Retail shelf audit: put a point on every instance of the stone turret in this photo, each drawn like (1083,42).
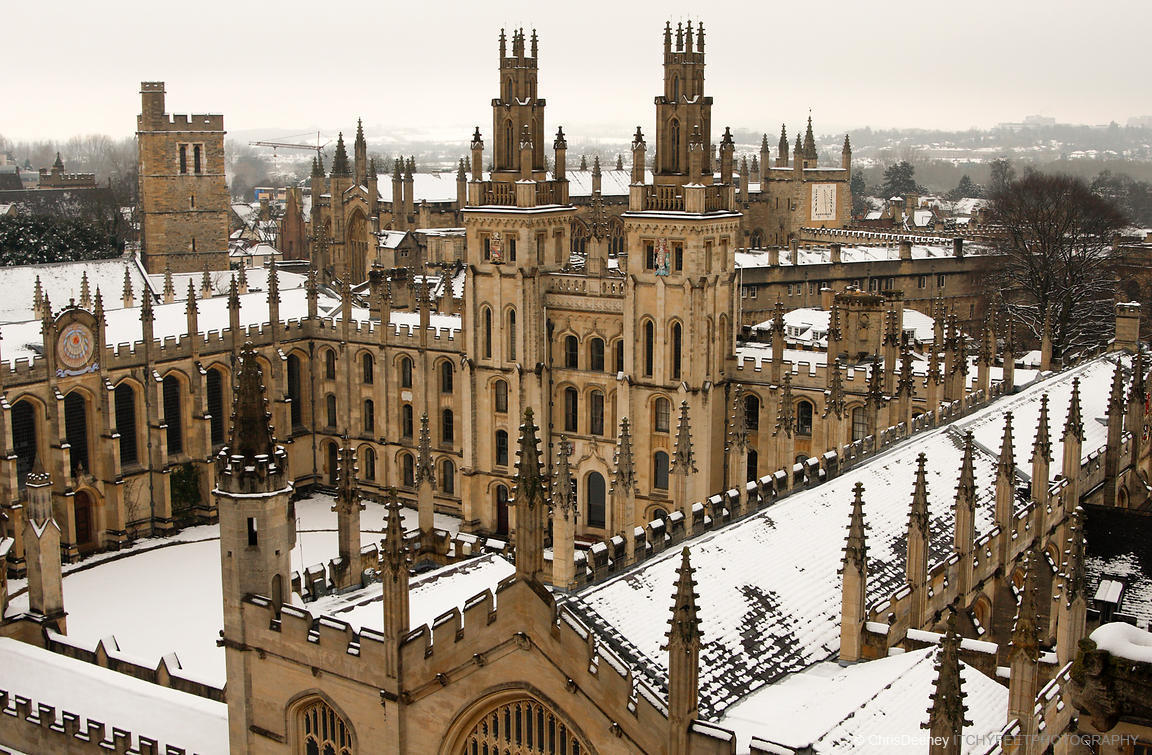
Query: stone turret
(42,550)
(683,648)
(854,576)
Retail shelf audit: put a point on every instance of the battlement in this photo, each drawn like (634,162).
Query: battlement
(197,122)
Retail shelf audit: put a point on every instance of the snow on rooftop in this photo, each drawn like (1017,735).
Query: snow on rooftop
(769,590)
(754,258)
(874,706)
(1124,641)
(810,325)
(170,716)
(167,599)
(61,282)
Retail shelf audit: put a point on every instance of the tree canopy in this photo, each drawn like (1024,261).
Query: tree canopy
(900,179)
(1058,257)
(27,239)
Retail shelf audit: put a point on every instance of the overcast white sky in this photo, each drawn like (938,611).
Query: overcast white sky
(74,67)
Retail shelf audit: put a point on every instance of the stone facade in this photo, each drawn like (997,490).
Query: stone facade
(184,204)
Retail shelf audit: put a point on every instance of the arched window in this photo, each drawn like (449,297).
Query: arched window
(501,448)
(366,367)
(405,372)
(803,417)
(172,418)
(446,376)
(509,145)
(406,420)
(753,462)
(752,412)
(859,423)
(448,477)
(660,471)
(674,147)
(620,355)
(500,396)
(677,333)
(369,416)
(595,499)
(24,439)
(486,317)
(649,347)
(126,422)
(294,391)
(368,465)
(596,355)
(330,410)
(407,471)
(322,732)
(596,413)
(329,364)
(447,428)
(214,383)
(520,726)
(571,409)
(571,352)
(510,336)
(661,415)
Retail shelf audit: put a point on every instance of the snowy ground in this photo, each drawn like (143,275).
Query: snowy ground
(165,597)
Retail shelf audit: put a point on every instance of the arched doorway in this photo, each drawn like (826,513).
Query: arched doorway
(501,510)
(84,518)
(595,499)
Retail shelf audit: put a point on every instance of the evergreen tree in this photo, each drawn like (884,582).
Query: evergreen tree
(966,188)
(900,179)
(859,190)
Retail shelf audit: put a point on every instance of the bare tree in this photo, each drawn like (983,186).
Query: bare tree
(1058,257)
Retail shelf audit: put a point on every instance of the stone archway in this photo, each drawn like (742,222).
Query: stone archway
(84,519)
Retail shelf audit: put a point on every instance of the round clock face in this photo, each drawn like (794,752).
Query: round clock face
(75,346)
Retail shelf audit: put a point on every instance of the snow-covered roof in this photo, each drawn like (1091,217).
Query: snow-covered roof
(391,239)
(61,282)
(612,182)
(810,326)
(865,707)
(220,280)
(769,590)
(118,700)
(968,205)
(1124,641)
(427,187)
(753,258)
(1119,551)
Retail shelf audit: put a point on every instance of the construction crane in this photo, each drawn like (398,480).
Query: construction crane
(317,148)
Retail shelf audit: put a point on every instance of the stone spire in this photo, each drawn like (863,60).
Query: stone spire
(563,519)
(205,284)
(394,576)
(348,508)
(809,142)
(782,147)
(784,412)
(425,468)
(59,164)
(531,508)
(563,493)
(834,402)
(683,459)
(964,526)
(683,646)
(854,582)
(737,439)
(1006,488)
(191,311)
(317,167)
(242,279)
(340,165)
(127,297)
(916,565)
(169,295)
(624,478)
(1041,454)
(251,421)
(1112,451)
(1074,424)
(85,291)
(946,719)
(1073,608)
(1024,651)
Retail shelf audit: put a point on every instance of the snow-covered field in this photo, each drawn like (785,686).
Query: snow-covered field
(165,596)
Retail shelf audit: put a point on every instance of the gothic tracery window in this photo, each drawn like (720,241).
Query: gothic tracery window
(521,727)
(323,732)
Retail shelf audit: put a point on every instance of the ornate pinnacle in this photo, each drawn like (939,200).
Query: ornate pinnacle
(340,161)
(638,139)
(561,142)
(784,410)
(906,386)
(966,485)
(948,709)
(684,626)
(891,328)
(233,295)
(625,478)
(918,516)
(1006,466)
(529,482)
(251,420)
(778,317)
(347,492)
(834,402)
(1116,396)
(85,291)
(1074,425)
(190,305)
(169,288)
(393,551)
(1026,632)
(273,285)
(1042,446)
(425,469)
(563,495)
(683,460)
(855,548)
(1074,577)
(738,427)
(127,295)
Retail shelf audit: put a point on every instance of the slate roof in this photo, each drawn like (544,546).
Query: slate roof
(1120,545)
